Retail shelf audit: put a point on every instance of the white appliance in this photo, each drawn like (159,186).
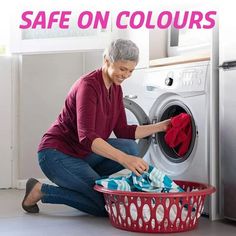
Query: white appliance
(162,92)
(227,82)
(181,88)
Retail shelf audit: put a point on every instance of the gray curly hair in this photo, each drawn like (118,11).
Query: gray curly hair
(122,49)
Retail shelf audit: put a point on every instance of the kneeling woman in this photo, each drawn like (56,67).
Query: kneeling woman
(77,150)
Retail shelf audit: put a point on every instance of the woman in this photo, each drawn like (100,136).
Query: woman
(77,150)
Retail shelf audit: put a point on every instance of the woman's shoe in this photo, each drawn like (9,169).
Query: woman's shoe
(29,186)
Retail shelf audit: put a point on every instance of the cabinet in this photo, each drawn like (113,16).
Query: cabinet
(6,122)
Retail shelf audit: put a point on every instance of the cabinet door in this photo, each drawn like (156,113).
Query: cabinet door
(5,122)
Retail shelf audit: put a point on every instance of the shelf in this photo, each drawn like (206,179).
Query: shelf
(178,60)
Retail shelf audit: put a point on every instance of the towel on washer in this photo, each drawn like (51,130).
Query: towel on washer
(153,180)
(179,133)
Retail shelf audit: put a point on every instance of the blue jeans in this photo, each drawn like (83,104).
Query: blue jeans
(76,177)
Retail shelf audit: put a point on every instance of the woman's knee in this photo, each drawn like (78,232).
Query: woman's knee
(128,146)
(132,147)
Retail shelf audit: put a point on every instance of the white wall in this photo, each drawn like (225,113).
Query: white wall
(92,60)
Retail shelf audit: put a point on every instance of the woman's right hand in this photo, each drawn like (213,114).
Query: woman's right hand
(136,164)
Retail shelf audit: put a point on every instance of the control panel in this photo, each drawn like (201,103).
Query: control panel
(194,77)
(181,78)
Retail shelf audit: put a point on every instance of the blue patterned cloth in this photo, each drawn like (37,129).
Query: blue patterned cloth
(154,180)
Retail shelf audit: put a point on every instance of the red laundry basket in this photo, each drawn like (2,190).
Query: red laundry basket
(157,212)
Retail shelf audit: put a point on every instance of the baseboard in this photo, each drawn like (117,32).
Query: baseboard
(22,182)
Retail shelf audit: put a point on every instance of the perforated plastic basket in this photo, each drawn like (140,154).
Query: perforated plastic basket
(157,212)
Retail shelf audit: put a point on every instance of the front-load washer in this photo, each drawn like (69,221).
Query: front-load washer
(181,88)
(164,92)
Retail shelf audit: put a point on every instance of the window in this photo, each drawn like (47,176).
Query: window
(4,28)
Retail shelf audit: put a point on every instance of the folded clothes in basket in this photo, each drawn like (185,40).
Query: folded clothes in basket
(153,180)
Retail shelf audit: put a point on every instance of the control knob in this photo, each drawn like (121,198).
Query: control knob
(169,81)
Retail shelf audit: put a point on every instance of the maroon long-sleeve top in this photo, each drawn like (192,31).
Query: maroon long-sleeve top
(90,111)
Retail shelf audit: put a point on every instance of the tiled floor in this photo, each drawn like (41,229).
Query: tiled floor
(62,220)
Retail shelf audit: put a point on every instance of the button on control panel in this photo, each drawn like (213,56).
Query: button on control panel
(192,77)
(168,81)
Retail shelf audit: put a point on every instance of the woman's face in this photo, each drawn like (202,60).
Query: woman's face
(120,70)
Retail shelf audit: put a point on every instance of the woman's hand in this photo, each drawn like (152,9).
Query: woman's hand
(146,130)
(136,164)
(164,125)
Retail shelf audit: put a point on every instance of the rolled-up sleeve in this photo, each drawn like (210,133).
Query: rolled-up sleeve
(86,100)
(122,129)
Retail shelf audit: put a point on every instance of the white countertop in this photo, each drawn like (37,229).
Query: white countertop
(178,60)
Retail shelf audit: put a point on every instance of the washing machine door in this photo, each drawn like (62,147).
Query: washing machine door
(166,106)
(136,115)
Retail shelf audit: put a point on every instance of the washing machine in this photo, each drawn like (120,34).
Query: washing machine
(163,92)
(182,88)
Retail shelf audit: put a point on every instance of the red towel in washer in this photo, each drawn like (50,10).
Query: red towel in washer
(179,133)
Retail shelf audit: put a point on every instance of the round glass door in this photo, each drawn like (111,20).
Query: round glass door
(172,109)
